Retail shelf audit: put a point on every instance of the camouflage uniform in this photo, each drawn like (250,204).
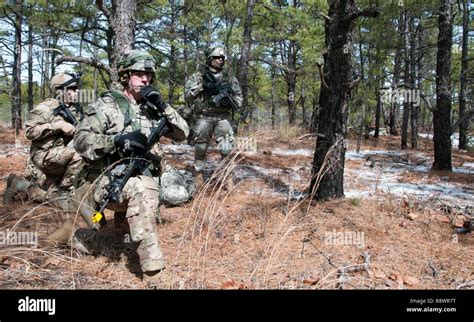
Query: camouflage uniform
(211,119)
(94,140)
(50,135)
(52,164)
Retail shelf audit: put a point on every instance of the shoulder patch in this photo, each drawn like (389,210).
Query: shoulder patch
(107,99)
(90,111)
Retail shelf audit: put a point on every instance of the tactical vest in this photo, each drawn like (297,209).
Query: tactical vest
(209,108)
(130,118)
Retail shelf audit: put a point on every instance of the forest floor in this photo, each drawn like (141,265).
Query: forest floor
(394,229)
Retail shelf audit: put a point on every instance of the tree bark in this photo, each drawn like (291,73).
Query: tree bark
(393,115)
(329,155)
(30,66)
(406,104)
(16,85)
(463,127)
(242,73)
(415,108)
(442,112)
(291,82)
(273,81)
(378,109)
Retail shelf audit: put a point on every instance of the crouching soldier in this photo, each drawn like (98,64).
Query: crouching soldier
(51,128)
(114,130)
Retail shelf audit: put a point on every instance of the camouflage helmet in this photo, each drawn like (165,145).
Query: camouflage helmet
(136,60)
(63,80)
(214,52)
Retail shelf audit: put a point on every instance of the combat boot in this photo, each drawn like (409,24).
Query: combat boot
(15,185)
(159,279)
(62,235)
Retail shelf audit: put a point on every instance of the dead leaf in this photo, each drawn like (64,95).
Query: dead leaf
(311,281)
(396,276)
(380,274)
(410,280)
(230,284)
(51,261)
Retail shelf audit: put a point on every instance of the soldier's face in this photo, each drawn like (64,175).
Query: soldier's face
(217,61)
(139,79)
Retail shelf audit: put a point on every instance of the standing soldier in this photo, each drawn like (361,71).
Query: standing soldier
(214,94)
(51,128)
(116,128)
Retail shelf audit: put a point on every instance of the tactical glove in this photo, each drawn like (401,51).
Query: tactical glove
(225,102)
(153,96)
(65,127)
(131,142)
(209,86)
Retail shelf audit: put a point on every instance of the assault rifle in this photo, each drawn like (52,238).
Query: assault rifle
(224,92)
(139,164)
(65,113)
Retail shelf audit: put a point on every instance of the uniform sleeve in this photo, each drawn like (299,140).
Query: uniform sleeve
(180,127)
(91,140)
(41,123)
(193,87)
(237,91)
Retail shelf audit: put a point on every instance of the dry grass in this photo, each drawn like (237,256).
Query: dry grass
(244,238)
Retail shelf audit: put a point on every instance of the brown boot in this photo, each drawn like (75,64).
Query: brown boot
(62,235)
(15,185)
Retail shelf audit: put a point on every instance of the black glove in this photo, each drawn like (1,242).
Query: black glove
(225,102)
(209,86)
(153,96)
(131,142)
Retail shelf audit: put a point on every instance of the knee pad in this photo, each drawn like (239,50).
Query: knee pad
(225,144)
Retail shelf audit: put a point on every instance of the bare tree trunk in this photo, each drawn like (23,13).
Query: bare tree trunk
(53,44)
(46,64)
(16,85)
(123,23)
(442,113)
(406,103)
(415,108)
(242,74)
(291,82)
(361,128)
(463,127)
(273,80)
(329,155)
(314,115)
(303,107)
(30,66)
(378,109)
(393,115)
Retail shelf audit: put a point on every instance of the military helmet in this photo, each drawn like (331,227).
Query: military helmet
(136,60)
(60,81)
(214,52)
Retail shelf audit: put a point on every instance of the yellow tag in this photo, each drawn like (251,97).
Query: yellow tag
(97,217)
